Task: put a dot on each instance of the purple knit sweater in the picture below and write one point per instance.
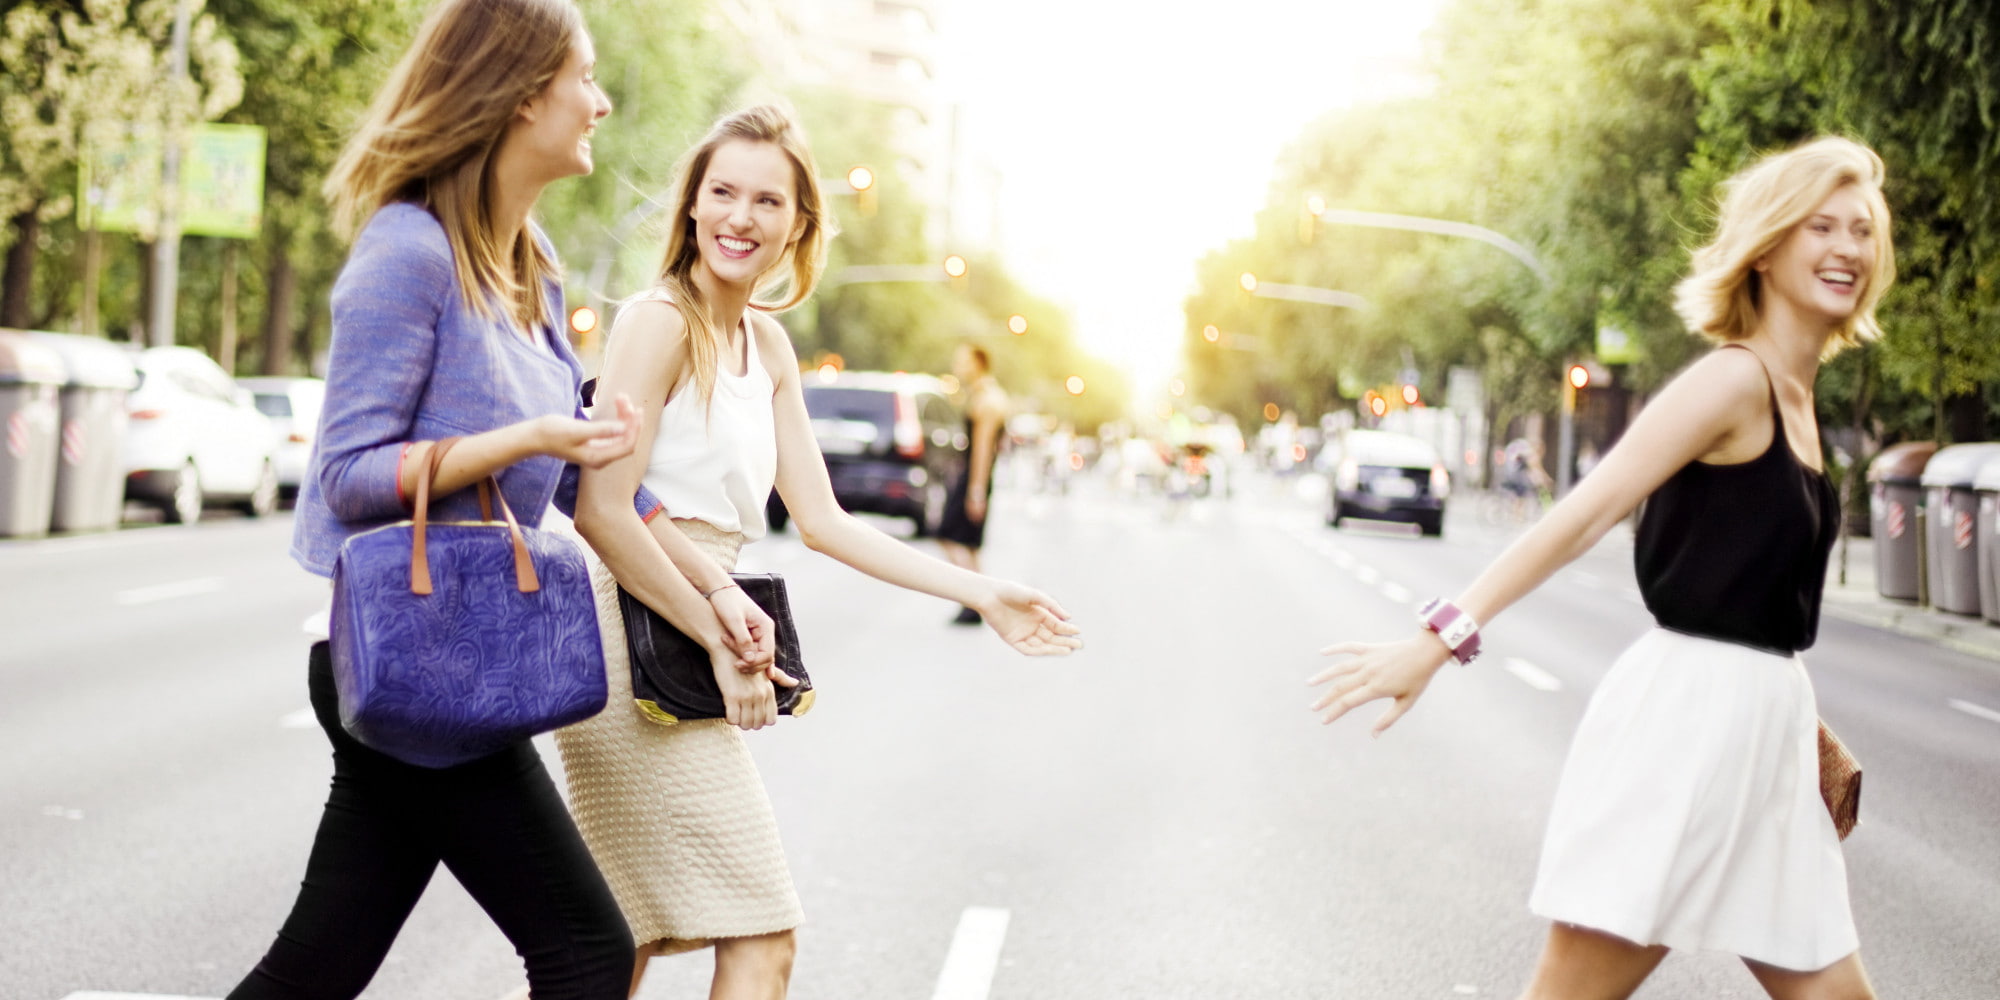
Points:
(411, 362)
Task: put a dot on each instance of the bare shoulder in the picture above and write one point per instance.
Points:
(989, 400)
(774, 342)
(1726, 379)
(652, 319)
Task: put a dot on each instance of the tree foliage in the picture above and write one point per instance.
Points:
(1595, 133)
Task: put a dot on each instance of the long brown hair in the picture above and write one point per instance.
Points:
(806, 255)
(432, 132)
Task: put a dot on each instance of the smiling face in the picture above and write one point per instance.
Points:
(554, 127)
(1822, 267)
(745, 215)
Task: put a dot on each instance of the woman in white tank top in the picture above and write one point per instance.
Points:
(716, 383)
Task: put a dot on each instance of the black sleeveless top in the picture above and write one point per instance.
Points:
(1739, 552)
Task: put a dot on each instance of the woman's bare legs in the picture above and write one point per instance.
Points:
(746, 968)
(1582, 964)
(1843, 980)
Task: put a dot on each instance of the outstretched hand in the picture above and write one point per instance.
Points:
(1031, 621)
(1395, 670)
(592, 444)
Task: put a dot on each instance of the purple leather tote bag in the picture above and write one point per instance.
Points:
(451, 641)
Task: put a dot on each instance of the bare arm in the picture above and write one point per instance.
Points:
(642, 355)
(1703, 414)
(1029, 620)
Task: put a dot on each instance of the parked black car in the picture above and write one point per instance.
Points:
(893, 445)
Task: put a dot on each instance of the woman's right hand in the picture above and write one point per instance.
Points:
(592, 444)
(751, 634)
(749, 700)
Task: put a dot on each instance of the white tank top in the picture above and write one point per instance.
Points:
(718, 466)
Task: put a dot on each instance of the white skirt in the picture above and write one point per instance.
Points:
(1689, 812)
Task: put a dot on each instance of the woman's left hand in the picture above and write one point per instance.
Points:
(1396, 670)
(1031, 621)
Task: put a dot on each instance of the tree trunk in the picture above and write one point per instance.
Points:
(281, 286)
(140, 318)
(1965, 417)
(93, 264)
(17, 285)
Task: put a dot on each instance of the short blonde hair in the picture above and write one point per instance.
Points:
(1761, 206)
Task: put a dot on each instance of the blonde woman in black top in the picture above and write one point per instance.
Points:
(1688, 814)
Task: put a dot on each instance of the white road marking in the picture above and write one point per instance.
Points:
(1396, 592)
(1971, 709)
(169, 591)
(1531, 675)
(1343, 560)
(301, 719)
(975, 954)
(1367, 574)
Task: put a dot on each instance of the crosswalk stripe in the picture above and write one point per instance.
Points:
(1531, 675)
(93, 995)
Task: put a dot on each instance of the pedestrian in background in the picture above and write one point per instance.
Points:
(1689, 814)
(446, 322)
(962, 530)
(677, 816)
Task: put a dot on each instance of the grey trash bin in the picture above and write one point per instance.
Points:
(30, 376)
(1986, 541)
(1951, 515)
(90, 472)
(1894, 497)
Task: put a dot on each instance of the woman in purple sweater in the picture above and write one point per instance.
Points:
(446, 323)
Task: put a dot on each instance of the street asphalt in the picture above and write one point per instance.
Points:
(1158, 816)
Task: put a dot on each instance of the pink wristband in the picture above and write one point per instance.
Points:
(1457, 629)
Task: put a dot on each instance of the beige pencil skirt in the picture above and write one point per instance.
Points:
(676, 816)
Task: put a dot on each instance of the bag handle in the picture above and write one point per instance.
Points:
(420, 569)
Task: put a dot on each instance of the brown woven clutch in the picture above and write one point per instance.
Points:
(1839, 781)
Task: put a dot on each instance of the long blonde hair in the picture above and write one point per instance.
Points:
(1760, 207)
(431, 135)
(805, 255)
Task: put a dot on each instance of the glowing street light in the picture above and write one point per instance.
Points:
(860, 178)
(1579, 376)
(1211, 334)
(583, 323)
(1177, 387)
(1247, 281)
(1410, 395)
(1315, 205)
(1074, 384)
(1271, 412)
(954, 266)
(1378, 405)
(1017, 324)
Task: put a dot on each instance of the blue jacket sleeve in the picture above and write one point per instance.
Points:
(386, 308)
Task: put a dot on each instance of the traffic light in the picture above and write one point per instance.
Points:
(1410, 395)
(1579, 376)
(583, 323)
(954, 266)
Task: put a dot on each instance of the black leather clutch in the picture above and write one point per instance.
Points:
(672, 680)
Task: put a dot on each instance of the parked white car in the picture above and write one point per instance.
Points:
(293, 406)
(194, 437)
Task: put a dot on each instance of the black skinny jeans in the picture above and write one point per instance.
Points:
(500, 827)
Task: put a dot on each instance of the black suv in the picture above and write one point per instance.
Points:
(893, 444)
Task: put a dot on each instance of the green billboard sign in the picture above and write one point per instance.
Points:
(221, 182)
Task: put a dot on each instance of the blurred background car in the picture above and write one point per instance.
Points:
(293, 406)
(893, 444)
(1384, 476)
(195, 438)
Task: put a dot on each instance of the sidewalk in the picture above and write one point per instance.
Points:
(1856, 601)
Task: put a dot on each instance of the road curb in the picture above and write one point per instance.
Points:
(1971, 637)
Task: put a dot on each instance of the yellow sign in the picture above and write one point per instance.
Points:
(221, 182)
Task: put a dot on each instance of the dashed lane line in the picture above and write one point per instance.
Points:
(1531, 675)
(169, 591)
(301, 719)
(1396, 592)
(974, 955)
(1976, 710)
